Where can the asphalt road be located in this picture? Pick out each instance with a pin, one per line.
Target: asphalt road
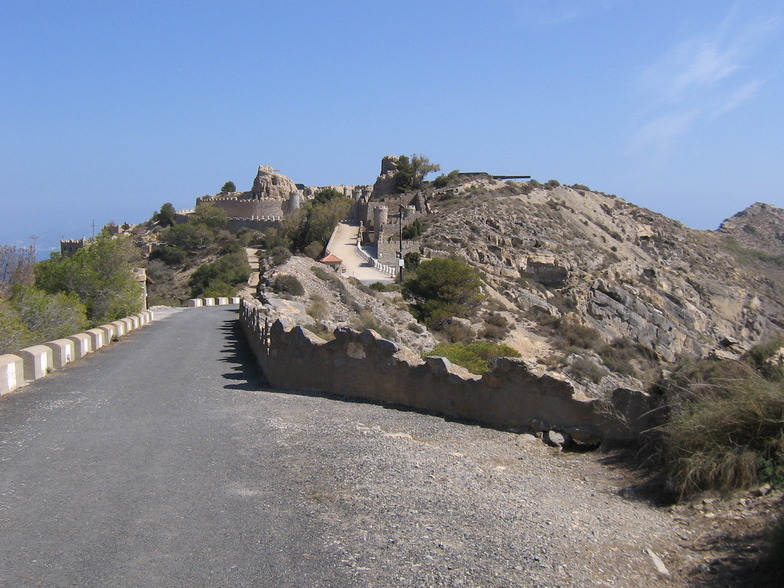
(127, 469)
(162, 460)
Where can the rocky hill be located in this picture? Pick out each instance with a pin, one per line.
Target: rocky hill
(601, 262)
(760, 226)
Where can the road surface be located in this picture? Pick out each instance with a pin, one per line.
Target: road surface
(344, 245)
(161, 460)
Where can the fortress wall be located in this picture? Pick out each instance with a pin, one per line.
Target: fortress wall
(248, 208)
(236, 224)
(515, 394)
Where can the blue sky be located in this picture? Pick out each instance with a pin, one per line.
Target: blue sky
(108, 109)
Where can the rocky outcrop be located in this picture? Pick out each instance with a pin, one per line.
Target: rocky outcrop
(269, 184)
(385, 183)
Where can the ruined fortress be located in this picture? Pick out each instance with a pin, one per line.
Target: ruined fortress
(274, 196)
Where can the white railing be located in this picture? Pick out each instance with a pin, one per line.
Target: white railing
(386, 269)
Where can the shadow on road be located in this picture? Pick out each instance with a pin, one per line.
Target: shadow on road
(245, 373)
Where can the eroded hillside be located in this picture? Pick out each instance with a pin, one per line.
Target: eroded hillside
(601, 262)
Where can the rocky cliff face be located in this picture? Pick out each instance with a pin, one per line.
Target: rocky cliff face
(600, 262)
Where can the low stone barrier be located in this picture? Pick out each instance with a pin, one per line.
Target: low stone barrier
(32, 363)
(514, 394)
(108, 333)
(82, 344)
(62, 352)
(119, 328)
(11, 373)
(220, 301)
(96, 338)
(37, 361)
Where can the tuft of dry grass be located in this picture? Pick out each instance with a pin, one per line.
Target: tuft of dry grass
(725, 429)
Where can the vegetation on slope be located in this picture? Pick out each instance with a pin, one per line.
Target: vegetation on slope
(442, 289)
(725, 424)
(99, 275)
(308, 229)
(477, 357)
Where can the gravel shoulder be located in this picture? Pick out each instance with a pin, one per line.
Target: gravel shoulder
(409, 499)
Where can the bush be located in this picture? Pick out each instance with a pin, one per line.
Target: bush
(221, 277)
(314, 250)
(496, 326)
(443, 180)
(318, 308)
(413, 230)
(280, 255)
(475, 357)
(287, 284)
(763, 358)
(14, 335)
(411, 260)
(165, 217)
(725, 428)
(170, 255)
(578, 335)
(441, 289)
(49, 316)
(100, 275)
(455, 332)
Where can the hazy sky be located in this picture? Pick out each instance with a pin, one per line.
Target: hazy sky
(108, 108)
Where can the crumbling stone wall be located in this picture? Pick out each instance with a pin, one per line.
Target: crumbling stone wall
(363, 365)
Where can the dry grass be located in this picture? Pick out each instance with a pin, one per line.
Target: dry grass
(725, 429)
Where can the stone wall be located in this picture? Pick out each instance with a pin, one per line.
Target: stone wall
(515, 394)
(240, 207)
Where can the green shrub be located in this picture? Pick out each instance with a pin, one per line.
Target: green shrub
(170, 255)
(443, 180)
(413, 230)
(412, 260)
(100, 275)
(221, 277)
(14, 335)
(475, 357)
(441, 289)
(287, 284)
(48, 316)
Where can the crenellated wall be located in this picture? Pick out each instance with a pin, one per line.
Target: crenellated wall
(514, 394)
